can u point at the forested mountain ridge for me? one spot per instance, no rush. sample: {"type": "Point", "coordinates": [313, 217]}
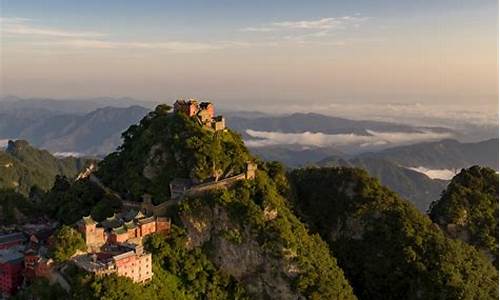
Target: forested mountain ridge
{"type": "Point", "coordinates": [468, 209]}
{"type": "Point", "coordinates": [23, 166]}
{"type": "Point", "coordinates": [27, 171]}
{"type": "Point", "coordinates": [387, 248]}
{"type": "Point", "coordinates": [409, 184]}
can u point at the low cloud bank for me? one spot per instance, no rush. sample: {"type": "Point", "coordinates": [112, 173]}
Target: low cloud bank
{"type": "Point", "coordinates": [67, 154]}
{"type": "Point", "coordinates": [444, 174]}
{"type": "Point", "coordinates": [318, 139]}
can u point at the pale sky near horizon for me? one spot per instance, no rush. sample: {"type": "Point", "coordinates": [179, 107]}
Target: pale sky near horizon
{"type": "Point", "coordinates": [297, 52]}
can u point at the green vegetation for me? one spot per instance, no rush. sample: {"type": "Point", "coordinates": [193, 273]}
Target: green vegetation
{"type": "Point", "coordinates": [190, 272]}
{"type": "Point", "coordinates": [68, 201]}
{"type": "Point", "coordinates": [15, 207]}
{"type": "Point", "coordinates": [42, 289]}
{"type": "Point", "coordinates": [411, 185]}
{"type": "Point", "coordinates": [166, 145]}
{"type": "Point", "coordinates": [290, 250]}
{"type": "Point", "coordinates": [471, 203]}
{"type": "Point", "coordinates": [111, 287]}
{"type": "Point", "coordinates": [22, 166]}
{"type": "Point", "coordinates": [386, 247]}
{"type": "Point", "coordinates": [66, 242]}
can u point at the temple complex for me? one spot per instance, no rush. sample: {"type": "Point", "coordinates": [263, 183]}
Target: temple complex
{"type": "Point", "coordinates": [204, 112]}
{"type": "Point", "coordinates": [130, 227]}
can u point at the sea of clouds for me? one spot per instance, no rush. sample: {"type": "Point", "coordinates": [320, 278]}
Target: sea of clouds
{"type": "Point", "coordinates": [444, 174]}
{"type": "Point", "coordinates": [318, 139]}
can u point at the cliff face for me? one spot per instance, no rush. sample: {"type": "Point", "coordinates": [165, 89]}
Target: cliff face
{"type": "Point", "coordinates": [250, 233]}
{"type": "Point", "coordinates": [235, 250]}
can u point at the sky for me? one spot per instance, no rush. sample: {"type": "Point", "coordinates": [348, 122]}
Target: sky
{"type": "Point", "coordinates": [241, 53]}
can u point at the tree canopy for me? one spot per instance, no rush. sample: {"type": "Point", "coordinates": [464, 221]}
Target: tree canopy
{"type": "Point", "coordinates": [471, 202]}
{"type": "Point", "coordinates": [387, 248]}
{"type": "Point", "coordinates": [66, 241]}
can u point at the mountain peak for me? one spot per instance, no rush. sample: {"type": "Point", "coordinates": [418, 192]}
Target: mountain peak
{"type": "Point", "coordinates": [188, 142]}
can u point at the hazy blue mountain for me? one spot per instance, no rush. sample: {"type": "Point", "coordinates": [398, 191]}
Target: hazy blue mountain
{"type": "Point", "coordinates": [445, 154]}
{"type": "Point", "coordinates": [94, 133]}
{"type": "Point", "coordinates": [68, 106]}
{"type": "Point", "coordinates": [98, 132]}
{"type": "Point", "coordinates": [39, 120]}
{"type": "Point", "coordinates": [301, 122]}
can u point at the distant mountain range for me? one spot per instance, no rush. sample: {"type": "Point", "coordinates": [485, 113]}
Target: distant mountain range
{"type": "Point", "coordinates": [94, 133]}
{"type": "Point", "coordinates": [312, 122]}
{"type": "Point", "coordinates": [445, 154]}
{"type": "Point", "coordinates": [392, 166]}
{"type": "Point", "coordinates": [68, 106]}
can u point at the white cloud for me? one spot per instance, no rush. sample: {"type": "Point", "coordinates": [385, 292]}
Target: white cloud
{"type": "Point", "coordinates": [444, 174]}
{"type": "Point", "coordinates": [308, 32]}
{"type": "Point", "coordinates": [23, 26]}
{"type": "Point", "coordinates": [30, 33]}
{"type": "Point", "coordinates": [318, 139]}
{"type": "Point", "coordinates": [68, 154]}
{"type": "Point", "coordinates": [322, 25]}
{"type": "Point", "coordinates": [258, 29]}
{"type": "Point", "coordinates": [325, 23]}
{"type": "Point", "coordinates": [174, 46]}
{"type": "Point", "coordinates": [54, 37]}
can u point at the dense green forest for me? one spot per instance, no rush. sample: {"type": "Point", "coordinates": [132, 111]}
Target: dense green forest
{"type": "Point", "coordinates": [468, 209]}
{"type": "Point", "coordinates": [386, 247]}
{"type": "Point", "coordinates": [22, 166]}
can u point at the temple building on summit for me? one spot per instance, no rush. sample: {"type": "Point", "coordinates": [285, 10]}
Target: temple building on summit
{"type": "Point", "coordinates": [204, 112]}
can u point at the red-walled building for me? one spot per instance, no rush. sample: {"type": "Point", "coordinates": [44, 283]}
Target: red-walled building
{"type": "Point", "coordinates": [115, 230]}
{"type": "Point", "coordinates": [11, 269]}
{"type": "Point", "coordinates": [204, 112]}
